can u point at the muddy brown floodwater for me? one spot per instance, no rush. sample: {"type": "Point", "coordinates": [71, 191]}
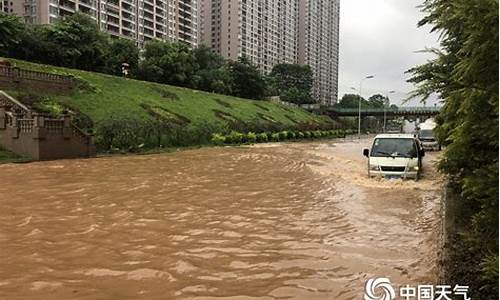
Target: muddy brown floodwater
{"type": "Point", "coordinates": [277, 221]}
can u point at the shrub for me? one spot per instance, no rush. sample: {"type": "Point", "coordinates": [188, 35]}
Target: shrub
{"type": "Point", "coordinates": [275, 137]}
{"type": "Point", "coordinates": [234, 138]}
{"type": "Point", "coordinates": [262, 137]}
{"type": "Point", "coordinates": [218, 139]}
{"type": "Point", "coordinates": [123, 134]}
{"type": "Point", "coordinates": [307, 134]}
{"type": "Point", "coordinates": [251, 137]}
{"type": "Point", "coordinates": [300, 135]}
{"type": "Point", "coordinates": [283, 135]}
{"type": "Point", "coordinates": [316, 134]}
{"type": "Point", "coordinates": [291, 135]}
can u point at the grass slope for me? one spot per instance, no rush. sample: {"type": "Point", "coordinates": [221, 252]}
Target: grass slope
{"type": "Point", "coordinates": [112, 96]}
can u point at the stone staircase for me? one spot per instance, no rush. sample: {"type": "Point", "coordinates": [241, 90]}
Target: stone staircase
{"type": "Point", "coordinates": [39, 137]}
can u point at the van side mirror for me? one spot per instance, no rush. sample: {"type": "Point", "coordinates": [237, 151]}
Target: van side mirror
{"type": "Point", "coordinates": [366, 152]}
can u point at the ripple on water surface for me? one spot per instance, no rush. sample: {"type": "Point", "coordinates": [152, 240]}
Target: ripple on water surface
{"type": "Point", "coordinates": [295, 221]}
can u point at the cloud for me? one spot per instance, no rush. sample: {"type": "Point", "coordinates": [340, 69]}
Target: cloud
{"type": "Point", "coordinates": [381, 38]}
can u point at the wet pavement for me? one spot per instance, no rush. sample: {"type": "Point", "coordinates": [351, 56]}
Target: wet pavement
{"type": "Point", "coordinates": [273, 221]}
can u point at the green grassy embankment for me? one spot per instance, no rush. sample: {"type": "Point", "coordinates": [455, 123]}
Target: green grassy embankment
{"type": "Point", "coordinates": [108, 104]}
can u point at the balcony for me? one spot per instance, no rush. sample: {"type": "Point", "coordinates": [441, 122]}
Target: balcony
{"type": "Point", "coordinates": [112, 11]}
{"type": "Point", "coordinates": [66, 5]}
{"type": "Point", "coordinates": [113, 29]}
{"type": "Point", "coordinates": [128, 17]}
{"type": "Point", "coordinates": [113, 2]}
{"type": "Point", "coordinates": [113, 20]}
{"type": "Point", "coordinates": [127, 7]}
{"type": "Point", "coordinates": [86, 10]}
{"type": "Point", "coordinates": [128, 25]}
{"type": "Point", "coordinates": [148, 16]}
{"type": "Point", "coordinates": [88, 3]}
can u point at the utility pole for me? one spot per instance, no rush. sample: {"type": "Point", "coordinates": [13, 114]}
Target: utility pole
{"type": "Point", "coordinates": [385, 106]}
{"type": "Point", "coordinates": [359, 103]}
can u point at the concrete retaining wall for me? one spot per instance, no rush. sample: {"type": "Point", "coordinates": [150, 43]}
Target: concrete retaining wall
{"type": "Point", "coordinates": [44, 139]}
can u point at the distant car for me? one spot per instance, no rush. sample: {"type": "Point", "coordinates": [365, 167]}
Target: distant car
{"type": "Point", "coordinates": [426, 135]}
{"type": "Point", "coordinates": [395, 156]}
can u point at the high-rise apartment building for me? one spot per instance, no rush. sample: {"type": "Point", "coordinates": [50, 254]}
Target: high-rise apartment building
{"type": "Point", "coordinates": [10, 6]}
{"type": "Point", "coordinates": [319, 45]}
{"type": "Point", "coordinates": [263, 31]}
{"type": "Point", "coordinates": [140, 20]}
{"type": "Point", "coordinates": [269, 32]}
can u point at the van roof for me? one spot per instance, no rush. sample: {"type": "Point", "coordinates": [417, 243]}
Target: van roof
{"type": "Point", "coordinates": [395, 136]}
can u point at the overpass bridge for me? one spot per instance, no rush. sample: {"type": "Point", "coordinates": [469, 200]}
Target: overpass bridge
{"type": "Point", "coordinates": [388, 112]}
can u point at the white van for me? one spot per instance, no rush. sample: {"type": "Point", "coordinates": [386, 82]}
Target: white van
{"type": "Point", "coordinates": [395, 156]}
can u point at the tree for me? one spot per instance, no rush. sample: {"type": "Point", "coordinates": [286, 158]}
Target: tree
{"type": "Point", "coordinates": [213, 80]}
{"type": "Point", "coordinates": [377, 101]}
{"type": "Point", "coordinates": [465, 75]}
{"type": "Point", "coordinates": [165, 62]}
{"type": "Point", "coordinates": [296, 95]}
{"type": "Point", "coordinates": [31, 45]}
{"type": "Point", "coordinates": [121, 51]}
{"type": "Point", "coordinates": [351, 101]}
{"type": "Point", "coordinates": [205, 58]}
{"type": "Point", "coordinates": [246, 79]}
{"type": "Point", "coordinates": [210, 72]}
{"type": "Point", "coordinates": [78, 42]}
{"type": "Point", "coordinates": [293, 82]}
{"type": "Point", "coordinates": [11, 28]}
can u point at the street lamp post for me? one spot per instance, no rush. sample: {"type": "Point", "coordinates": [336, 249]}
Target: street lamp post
{"type": "Point", "coordinates": [385, 106]}
{"type": "Point", "coordinates": [359, 103]}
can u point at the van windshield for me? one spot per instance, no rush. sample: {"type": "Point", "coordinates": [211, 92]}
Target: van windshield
{"type": "Point", "coordinates": [426, 134]}
{"type": "Point", "coordinates": [394, 147]}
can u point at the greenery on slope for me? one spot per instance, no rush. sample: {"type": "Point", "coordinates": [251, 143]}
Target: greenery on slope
{"type": "Point", "coordinates": [465, 75]}
{"type": "Point", "coordinates": [127, 113]}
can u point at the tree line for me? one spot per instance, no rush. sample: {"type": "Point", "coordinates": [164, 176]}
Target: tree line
{"type": "Point", "coordinates": [465, 75]}
{"type": "Point", "coordinates": [374, 101]}
{"type": "Point", "coordinates": [76, 42]}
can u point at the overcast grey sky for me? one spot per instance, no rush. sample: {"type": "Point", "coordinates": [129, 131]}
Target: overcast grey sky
{"type": "Point", "coordinates": [381, 38]}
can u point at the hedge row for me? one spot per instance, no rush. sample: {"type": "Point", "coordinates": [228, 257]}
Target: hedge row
{"type": "Point", "coordinates": [235, 138]}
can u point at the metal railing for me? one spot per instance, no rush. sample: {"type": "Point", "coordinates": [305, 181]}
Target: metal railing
{"type": "Point", "coordinates": [389, 109]}
{"type": "Point", "coordinates": [18, 73]}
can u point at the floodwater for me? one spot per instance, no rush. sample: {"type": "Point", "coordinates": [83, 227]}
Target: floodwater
{"type": "Point", "coordinates": [275, 221]}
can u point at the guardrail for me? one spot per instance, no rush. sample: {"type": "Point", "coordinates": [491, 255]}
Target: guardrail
{"type": "Point", "coordinates": [15, 73]}
{"type": "Point", "coordinates": [389, 109]}
{"type": "Point", "coordinates": [8, 101]}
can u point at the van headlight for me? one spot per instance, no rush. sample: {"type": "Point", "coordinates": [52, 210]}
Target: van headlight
{"type": "Point", "coordinates": [415, 168]}
{"type": "Point", "coordinates": [374, 168]}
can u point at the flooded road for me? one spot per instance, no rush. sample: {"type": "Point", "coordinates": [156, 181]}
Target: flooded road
{"type": "Point", "coordinates": [276, 221]}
